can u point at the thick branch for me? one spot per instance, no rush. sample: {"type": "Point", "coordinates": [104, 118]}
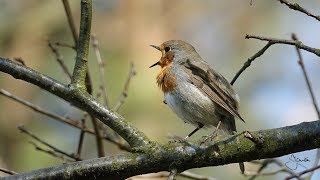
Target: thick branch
{"type": "Point", "coordinates": [277, 142]}
{"type": "Point", "coordinates": [79, 99]}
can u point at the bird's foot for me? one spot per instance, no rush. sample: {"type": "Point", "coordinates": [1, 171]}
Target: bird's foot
{"type": "Point", "coordinates": [210, 137]}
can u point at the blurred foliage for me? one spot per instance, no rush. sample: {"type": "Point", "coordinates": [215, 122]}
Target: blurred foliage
{"type": "Point", "coordinates": [272, 91]}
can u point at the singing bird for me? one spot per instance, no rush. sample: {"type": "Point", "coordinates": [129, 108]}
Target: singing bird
{"type": "Point", "coordinates": [194, 91]}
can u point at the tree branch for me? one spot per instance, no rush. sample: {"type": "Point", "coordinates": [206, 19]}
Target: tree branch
{"type": "Point", "coordinates": [297, 7]}
{"type": "Point", "coordinates": [24, 130]}
{"type": "Point", "coordinates": [67, 8]}
{"type": "Point", "coordinates": [80, 68]}
{"type": "Point", "coordinates": [277, 142]}
{"type": "Point", "coordinates": [298, 44]}
{"type": "Point", "coordinates": [79, 99]}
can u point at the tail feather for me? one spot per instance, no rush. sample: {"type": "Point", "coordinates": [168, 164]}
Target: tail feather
{"type": "Point", "coordinates": [242, 169]}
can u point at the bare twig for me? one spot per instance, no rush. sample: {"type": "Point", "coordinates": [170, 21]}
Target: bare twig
{"type": "Point", "coordinates": [60, 44]}
{"type": "Point", "coordinates": [38, 109]}
{"type": "Point", "coordinates": [7, 171]}
{"type": "Point", "coordinates": [298, 44]}
{"type": "Point", "coordinates": [124, 93]}
{"type": "Point", "coordinates": [81, 137]}
{"type": "Point", "coordinates": [70, 21]}
{"type": "Point", "coordinates": [191, 175]}
{"type": "Point", "coordinates": [50, 152]}
{"type": "Point", "coordinates": [255, 174]}
{"type": "Point", "coordinates": [71, 122]}
{"type": "Point", "coordinates": [303, 172]}
{"type": "Point", "coordinates": [59, 59]}
{"type": "Point", "coordinates": [314, 101]}
{"type": "Point", "coordinates": [305, 74]}
{"type": "Point", "coordinates": [297, 7]}
{"type": "Point", "coordinates": [24, 130]}
{"type": "Point", "coordinates": [95, 45]}
{"type": "Point", "coordinates": [100, 148]}
{"type": "Point", "coordinates": [264, 164]}
{"type": "Point", "coordinates": [272, 41]}
{"type": "Point", "coordinates": [249, 61]}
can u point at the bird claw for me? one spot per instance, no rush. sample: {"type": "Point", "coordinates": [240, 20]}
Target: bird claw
{"type": "Point", "coordinates": [211, 137]}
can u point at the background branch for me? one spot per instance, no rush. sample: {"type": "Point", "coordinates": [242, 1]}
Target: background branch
{"type": "Point", "coordinates": [297, 7]}
{"type": "Point", "coordinates": [83, 101]}
{"type": "Point", "coordinates": [67, 9]}
{"type": "Point", "coordinates": [24, 130]}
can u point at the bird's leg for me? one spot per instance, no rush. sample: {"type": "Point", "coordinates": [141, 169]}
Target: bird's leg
{"type": "Point", "coordinates": [213, 135]}
{"type": "Point", "coordinates": [194, 131]}
{"type": "Point", "coordinates": [184, 140]}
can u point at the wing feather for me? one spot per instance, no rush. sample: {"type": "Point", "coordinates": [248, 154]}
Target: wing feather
{"type": "Point", "coordinates": [214, 85]}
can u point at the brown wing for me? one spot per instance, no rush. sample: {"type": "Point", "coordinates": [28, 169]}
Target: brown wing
{"type": "Point", "coordinates": [214, 85]}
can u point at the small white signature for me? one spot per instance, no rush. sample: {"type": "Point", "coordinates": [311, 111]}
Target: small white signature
{"type": "Point", "coordinates": [295, 162]}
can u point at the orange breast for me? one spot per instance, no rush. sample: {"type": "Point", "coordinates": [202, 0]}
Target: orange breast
{"type": "Point", "coordinates": [166, 80]}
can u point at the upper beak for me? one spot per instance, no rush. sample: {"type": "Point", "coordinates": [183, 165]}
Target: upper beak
{"type": "Point", "coordinates": [157, 63]}
{"type": "Point", "coordinates": [158, 48]}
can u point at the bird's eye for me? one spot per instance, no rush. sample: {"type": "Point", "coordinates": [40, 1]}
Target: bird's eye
{"type": "Point", "coordinates": [167, 49]}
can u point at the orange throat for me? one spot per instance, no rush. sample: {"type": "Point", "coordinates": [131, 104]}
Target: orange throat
{"type": "Point", "coordinates": [166, 80]}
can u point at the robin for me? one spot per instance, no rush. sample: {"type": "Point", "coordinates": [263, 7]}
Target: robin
{"type": "Point", "coordinates": [194, 91]}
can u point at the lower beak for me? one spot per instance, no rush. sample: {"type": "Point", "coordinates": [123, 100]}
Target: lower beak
{"type": "Point", "coordinates": [157, 63]}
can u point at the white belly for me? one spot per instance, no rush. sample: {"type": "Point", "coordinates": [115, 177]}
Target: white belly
{"type": "Point", "coordinates": [191, 105]}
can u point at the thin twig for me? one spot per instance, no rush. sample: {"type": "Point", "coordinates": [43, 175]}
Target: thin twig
{"type": "Point", "coordinates": [255, 174]}
{"type": "Point", "coordinates": [305, 74]}
{"type": "Point", "coordinates": [272, 41]}
{"type": "Point", "coordinates": [124, 93]}
{"type": "Point", "coordinates": [95, 45]}
{"type": "Point", "coordinates": [313, 98]}
{"type": "Point", "coordinates": [81, 137]}
{"type": "Point", "coordinates": [50, 152]}
{"type": "Point", "coordinates": [67, 120]}
{"type": "Point", "coordinates": [60, 44]}
{"type": "Point", "coordinates": [265, 163]}
{"type": "Point", "coordinates": [38, 109]}
{"type": "Point", "coordinates": [297, 7]}
{"type": "Point", "coordinates": [59, 59]}
{"type": "Point", "coordinates": [249, 61]}
{"type": "Point", "coordinates": [191, 175]}
{"type": "Point", "coordinates": [7, 171]}
{"type": "Point", "coordinates": [298, 44]}
{"type": "Point", "coordinates": [24, 130]}
{"type": "Point", "coordinates": [304, 172]}
{"type": "Point", "coordinates": [100, 148]}
{"type": "Point", "coordinates": [70, 21]}
{"type": "Point", "coordinates": [280, 164]}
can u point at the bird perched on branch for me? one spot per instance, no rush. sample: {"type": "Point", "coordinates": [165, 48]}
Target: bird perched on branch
{"type": "Point", "coordinates": [194, 91]}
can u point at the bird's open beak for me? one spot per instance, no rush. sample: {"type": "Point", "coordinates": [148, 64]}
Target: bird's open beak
{"type": "Point", "coordinates": [156, 47]}
{"type": "Point", "coordinates": [157, 63]}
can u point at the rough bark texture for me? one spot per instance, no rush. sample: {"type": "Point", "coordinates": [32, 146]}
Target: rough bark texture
{"type": "Point", "coordinates": [182, 156]}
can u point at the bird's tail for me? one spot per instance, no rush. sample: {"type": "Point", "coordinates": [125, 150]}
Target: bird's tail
{"type": "Point", "coordinates": [241, 165]}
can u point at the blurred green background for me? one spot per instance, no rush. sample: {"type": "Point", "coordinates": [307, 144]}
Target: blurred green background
{"type": "Point", "coordinates": [273, 92]}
